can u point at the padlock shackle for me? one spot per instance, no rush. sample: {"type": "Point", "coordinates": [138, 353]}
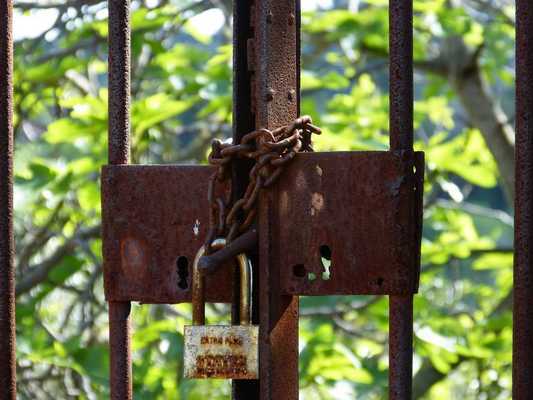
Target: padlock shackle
{"type": "Point", "coordinates": [198, 286]}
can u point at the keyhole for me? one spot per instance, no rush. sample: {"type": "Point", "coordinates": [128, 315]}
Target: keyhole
{"type": "Point", "coordinates": [182, 265]}
{"type": "Point", "coordinates": [325, 261]}
{"type": "Point", "coordinates": [298, 270]}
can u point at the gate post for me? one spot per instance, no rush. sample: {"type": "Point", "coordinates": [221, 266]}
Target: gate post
{"type": "Point", "coordinates": [7, 244]}
{"type": "Point", "coordinates": [276, 65]}
{"type": "Point", "coordinates": [119, 152]}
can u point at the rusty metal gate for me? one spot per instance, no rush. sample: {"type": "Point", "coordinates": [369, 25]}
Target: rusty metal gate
{"type": "Point", "coordinates": [266, 95]}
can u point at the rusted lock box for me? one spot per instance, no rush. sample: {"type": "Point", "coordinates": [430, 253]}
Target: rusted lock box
{"type": "Point", "coordinates": [221, 351]}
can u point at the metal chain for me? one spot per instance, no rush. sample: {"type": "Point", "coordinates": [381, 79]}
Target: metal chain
{"type": "Point", "coordinates": [272, 152]}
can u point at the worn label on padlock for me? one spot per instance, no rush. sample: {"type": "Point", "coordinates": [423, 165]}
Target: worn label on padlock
{"type": "Point", "coordinates": [221, 351]}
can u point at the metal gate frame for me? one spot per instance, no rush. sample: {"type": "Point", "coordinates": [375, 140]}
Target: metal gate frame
{"type": "Point", "coordinates": [281, 379]}
{"type": "Point", "coordinates": [267, 62]}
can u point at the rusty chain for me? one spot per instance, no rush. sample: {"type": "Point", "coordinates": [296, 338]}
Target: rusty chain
{"type": "Point", "coordinates": [272, 151]}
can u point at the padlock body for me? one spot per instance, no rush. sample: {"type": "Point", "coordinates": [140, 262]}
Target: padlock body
{"type": "Point", "coordinates": [221, 352]}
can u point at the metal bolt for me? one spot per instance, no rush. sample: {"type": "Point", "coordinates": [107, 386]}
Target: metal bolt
{"type": "Point", "coordinates": [269, 17]}
{"type": "Point", "coordinates": [270, 94]}
{"type": "Point", "coordinates": [292, 19]}
{"type": "Point", "coordinates": [292, 94]}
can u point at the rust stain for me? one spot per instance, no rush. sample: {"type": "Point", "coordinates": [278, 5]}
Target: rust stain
{"type": "Point", "coordinates": [317, 203]}
{"type": "Point", "coordinates": [133, 255]}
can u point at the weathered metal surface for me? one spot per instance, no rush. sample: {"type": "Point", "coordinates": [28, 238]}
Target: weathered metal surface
{"type": "Point", "coordinates": [355, 209]}
{"type": "Point", "coordinates": [120, 350]}
{"type": "Point", "coordinates": [400, 347]}
{"type": "Point", "coordinates": [119, 81]}
{"type": "Point", "coordinates": [523, 260]}
{"type": "Point", "coordinates": [155, 220]}
{"type": "Point", "coordinates": [153, 215]}
{"type": "Point", "coordinates": [7, 244]}
{"type": "Point", "coordinates": [401, 74]}
{"type": "Point", "coordinates": [401, 139]}
{"type": "Point", "coordinates": [121, 387]}
{"type": "Point", "coordinates": [221, 351]}
{"type": "Point", "coordinates": [276, 81]}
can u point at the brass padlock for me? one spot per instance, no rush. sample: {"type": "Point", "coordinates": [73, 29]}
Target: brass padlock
{"type": "Point", "coordinates": [221, 351]}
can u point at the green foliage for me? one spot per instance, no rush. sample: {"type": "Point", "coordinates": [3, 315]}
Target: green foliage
{"type": "Point", "coordinates": [181, 85]}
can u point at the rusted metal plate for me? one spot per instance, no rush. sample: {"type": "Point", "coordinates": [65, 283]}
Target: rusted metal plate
{"type": "Point", "coordinates": [154, 221]}
{"type": "Point", "coordinates": [356, 208]}
{"type": "Point", "coordinates": [221, 352]}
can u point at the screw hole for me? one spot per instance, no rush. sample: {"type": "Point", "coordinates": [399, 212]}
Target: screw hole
{"type": "Point", "coordinates": [298, 270]}
{"type": "Point", "coordinates": [182, 265]}
{"type": "Point", "coordinates": [380, 281]}
{"type": "Point", "coordinates": [325, 261]}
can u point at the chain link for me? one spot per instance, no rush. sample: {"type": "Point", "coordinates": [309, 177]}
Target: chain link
{"type": "Point", "coordinates": [272, 151]}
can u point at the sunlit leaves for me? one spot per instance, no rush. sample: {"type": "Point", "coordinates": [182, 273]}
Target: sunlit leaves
{"type": "Point", "coordinates": [436, 109]}
{"type": "Point", "coordinates": [356, 117]}
{"type": "Point", "coordinates": [368, 26]}
{"type": "Point", "coordinates": [155, 109]}
{"type": "Point", "coordinates": [323, 356]}
{"type": "Point", "coordinates": [465, 155]}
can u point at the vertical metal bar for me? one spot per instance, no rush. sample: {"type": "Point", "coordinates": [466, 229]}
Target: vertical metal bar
{"type": "Point", "coordinates": [119, 153]}
{"type": "Point", "coordinates": [523, 260]}
{"type": "Point", "coordinates": [401, 74]}
{"type": "Point", "coordinates": [120, 347]}
{"type": "Point", "coordinates": [298, 55]}
{"type": "Point", "coordinates": [401, 139]}
{"type": "Point", "coordinates": [276, 83]}
{"type": "Point", "coordinates": [119, 81]}
{"type": "Point", "coordinates": [7, 243]}
{"type": "Point", "coordinates": [243, 122]}
{"type": "Point", "coordinates": [400, 346]}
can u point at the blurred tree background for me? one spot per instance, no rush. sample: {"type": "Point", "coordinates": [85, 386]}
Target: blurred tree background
{"type": "Point", "coordinates": [181, 87]}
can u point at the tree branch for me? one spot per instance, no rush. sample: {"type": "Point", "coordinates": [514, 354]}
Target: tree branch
{"type": "Point", "coordinates": [39, 273]}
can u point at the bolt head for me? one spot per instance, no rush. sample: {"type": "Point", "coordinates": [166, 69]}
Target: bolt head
{"type": "Point", "coordinates": [292, 19]}
{"type": "Point", "coordinates": [270, 94]}
{"type": "Point", "coordinates": [291, 94]}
